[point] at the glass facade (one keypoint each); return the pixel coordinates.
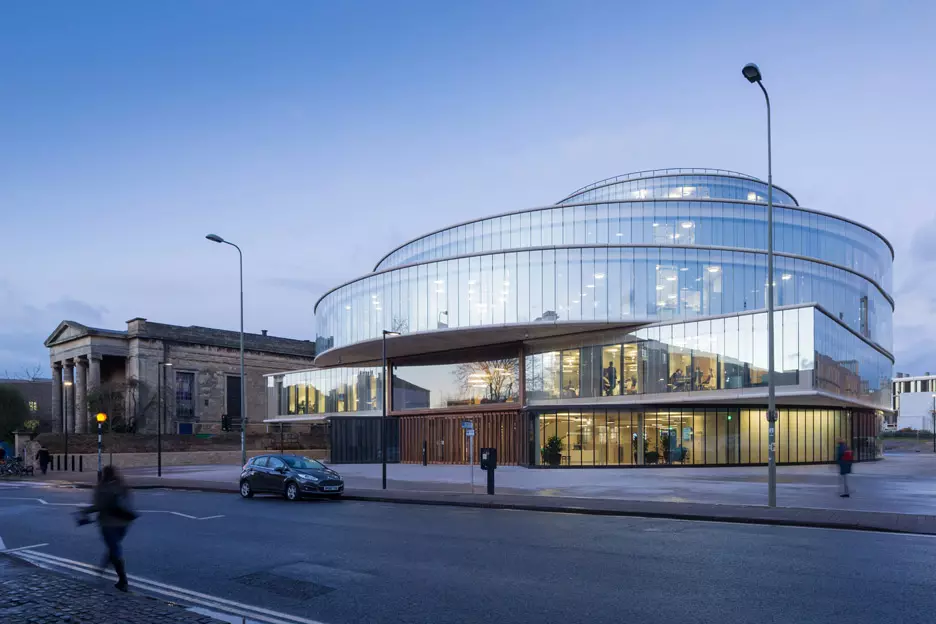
(325, 391)
(700, 436)
(670, 183)
(730, 353)
(674, 261)
(638, 285)
(705, 222)
(482, 382)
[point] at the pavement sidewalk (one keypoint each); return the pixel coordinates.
(921, 524)
(29, 594)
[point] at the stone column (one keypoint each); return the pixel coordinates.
(69, 395)
(57, 396)
(94, 373)
(81, 395)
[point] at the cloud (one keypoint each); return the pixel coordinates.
(25, 325)
(923, 245)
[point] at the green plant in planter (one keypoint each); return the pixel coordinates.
(552, 452)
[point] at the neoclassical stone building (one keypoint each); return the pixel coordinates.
(189, 374)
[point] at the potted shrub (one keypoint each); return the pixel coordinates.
(552, 452)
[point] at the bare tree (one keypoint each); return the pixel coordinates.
(498, 378)
(29, 373)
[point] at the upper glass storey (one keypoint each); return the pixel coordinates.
(660, 185)
(702, 209)
(663, 223)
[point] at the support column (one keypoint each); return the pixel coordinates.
(81, 395)
(59, 419)
(94, 374)
(69, 395)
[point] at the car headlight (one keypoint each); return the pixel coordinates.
(308, 478)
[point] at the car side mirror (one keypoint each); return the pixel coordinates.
(281, 470)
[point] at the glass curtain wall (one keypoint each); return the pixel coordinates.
(703, 436)
(437, 386)
(614, 284)
(717, 354)
(664, 223)
(325, 391)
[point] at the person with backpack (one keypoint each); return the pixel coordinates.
(115, 513)
(844, 458)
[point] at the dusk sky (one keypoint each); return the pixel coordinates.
(320, 135)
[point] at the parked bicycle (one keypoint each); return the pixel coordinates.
(15, 467)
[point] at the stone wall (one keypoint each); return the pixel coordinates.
(211, 367)
(316, 438)
(88, 461)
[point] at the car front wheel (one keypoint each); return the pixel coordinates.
(292, 491)
(245, 490)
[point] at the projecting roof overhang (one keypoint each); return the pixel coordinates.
(422, 343)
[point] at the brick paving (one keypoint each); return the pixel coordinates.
(36, 596)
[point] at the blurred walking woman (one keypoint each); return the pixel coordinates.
(115, 513)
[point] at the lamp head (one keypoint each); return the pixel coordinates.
(101, 417)
(215, 238)
(390, 333)
(751, 72)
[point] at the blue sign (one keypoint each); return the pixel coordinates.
(467, 424)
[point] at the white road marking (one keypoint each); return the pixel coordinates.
(174, 513)
(181, 594)
(12, 550)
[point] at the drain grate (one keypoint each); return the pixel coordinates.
(283, 586)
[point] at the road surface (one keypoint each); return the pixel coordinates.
(354, 562)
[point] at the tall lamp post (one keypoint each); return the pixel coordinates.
(243, 381)
(753, 74)
(383, 419)
(65, 386)
(934, 423)
(160, 412)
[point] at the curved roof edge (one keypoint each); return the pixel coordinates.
(667, 173)
(625, 201)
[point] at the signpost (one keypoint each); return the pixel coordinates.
(468, 426)
(101, 419)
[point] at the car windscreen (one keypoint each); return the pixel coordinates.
(303, 463)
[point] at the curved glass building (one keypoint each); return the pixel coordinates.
(627, 321)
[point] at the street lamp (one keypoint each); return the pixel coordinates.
(753, 74)
(101, 418)
(65, 386)
(934, 423)
(243, 381)
(160, 412)
(383, 419)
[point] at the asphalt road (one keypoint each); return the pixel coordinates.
(348, 562)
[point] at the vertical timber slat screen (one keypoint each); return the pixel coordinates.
(447, 442)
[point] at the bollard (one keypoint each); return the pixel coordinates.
(80, 463)
(425, 453)
(73, 463)
(58, 458)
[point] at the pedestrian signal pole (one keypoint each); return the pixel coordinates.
(101, 419)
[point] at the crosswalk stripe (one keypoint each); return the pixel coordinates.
(179, 593)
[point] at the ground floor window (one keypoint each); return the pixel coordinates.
(698, 436)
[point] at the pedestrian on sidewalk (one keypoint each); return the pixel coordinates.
(43, 457)
(115, 513)
(844, 458)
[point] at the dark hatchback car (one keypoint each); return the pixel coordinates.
(292, 476)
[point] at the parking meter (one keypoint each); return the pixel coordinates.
(488, 458)
(489, 463)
